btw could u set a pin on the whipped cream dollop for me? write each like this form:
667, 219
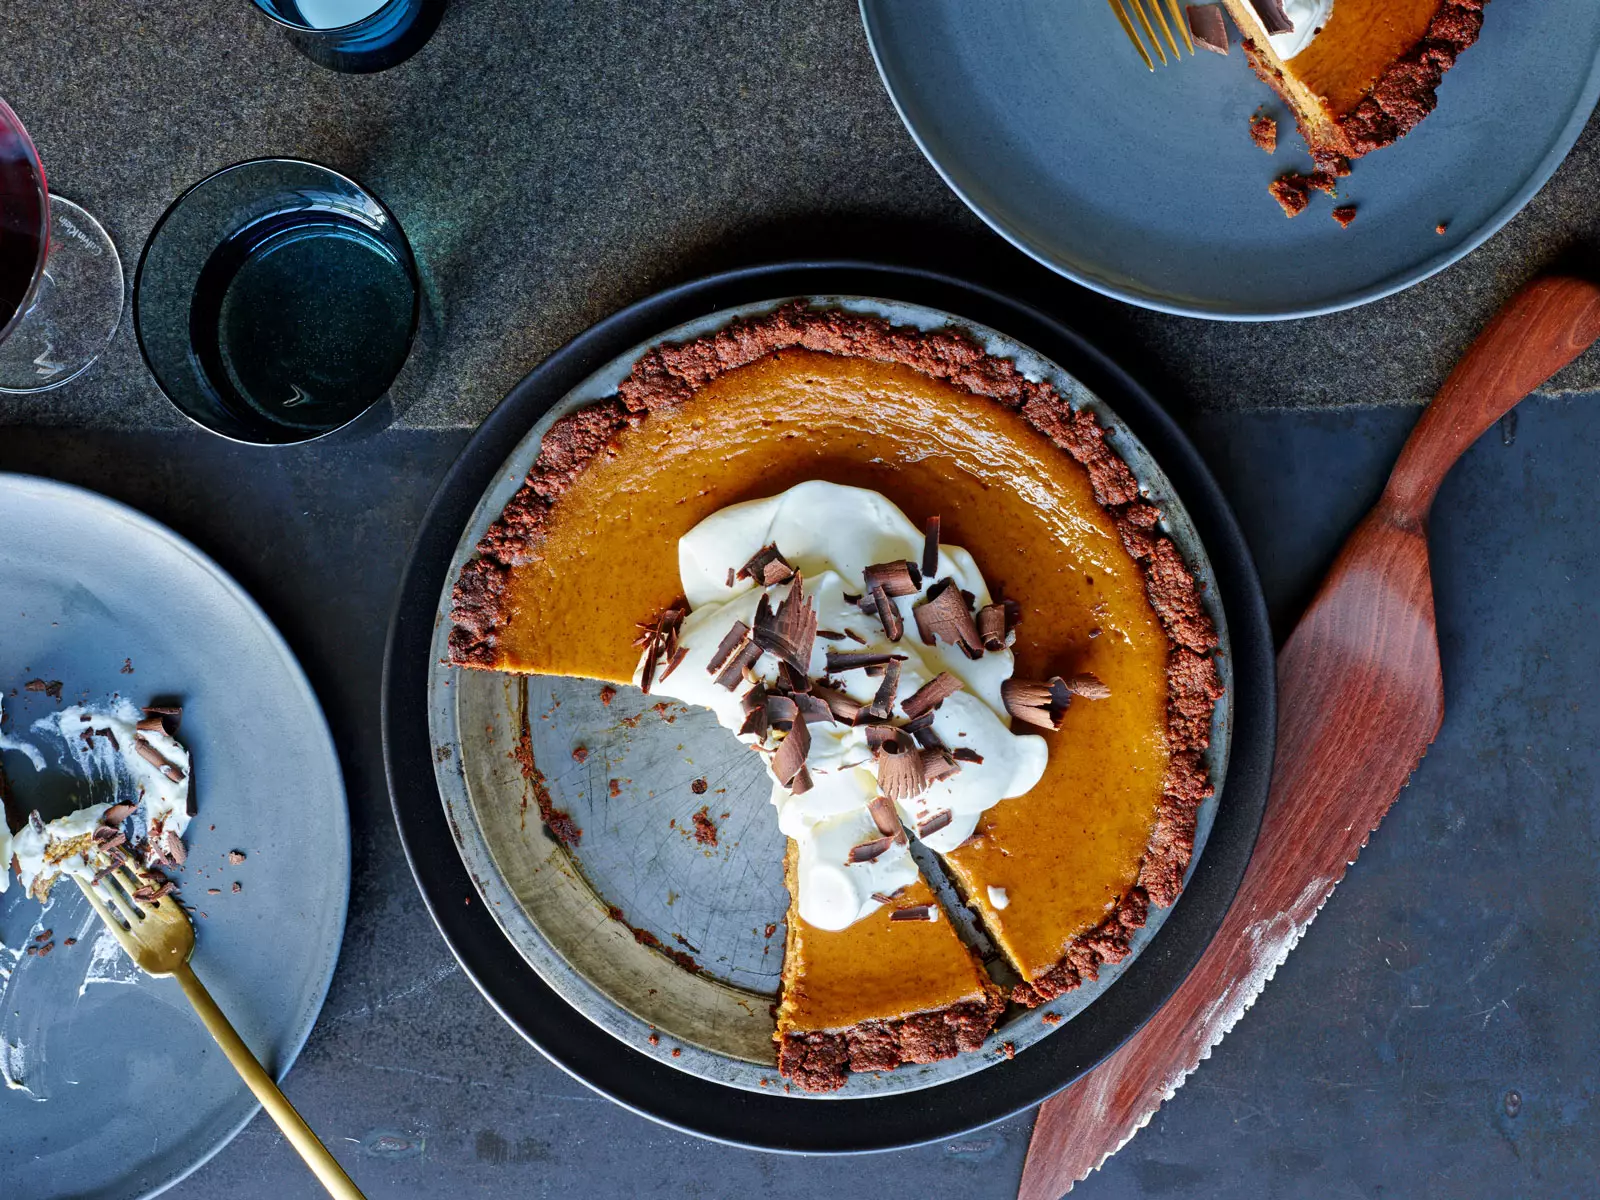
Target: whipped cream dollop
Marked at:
1308, 17
829, 535
124, 754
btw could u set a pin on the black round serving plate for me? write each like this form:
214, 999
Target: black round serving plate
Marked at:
795, 1123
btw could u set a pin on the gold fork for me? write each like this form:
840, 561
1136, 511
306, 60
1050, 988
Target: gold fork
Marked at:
1122, 7
157, 935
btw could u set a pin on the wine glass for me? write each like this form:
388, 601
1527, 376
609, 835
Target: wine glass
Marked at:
61, 285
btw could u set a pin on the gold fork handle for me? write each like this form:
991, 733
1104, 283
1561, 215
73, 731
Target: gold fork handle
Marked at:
306, 1144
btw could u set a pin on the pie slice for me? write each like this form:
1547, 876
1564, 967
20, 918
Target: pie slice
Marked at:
1358, 74
583, 567
849, 1002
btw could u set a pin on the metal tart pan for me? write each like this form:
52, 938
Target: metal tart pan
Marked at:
540, 935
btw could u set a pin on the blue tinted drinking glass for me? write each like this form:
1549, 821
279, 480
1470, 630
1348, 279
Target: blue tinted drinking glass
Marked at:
356, 35
276, 301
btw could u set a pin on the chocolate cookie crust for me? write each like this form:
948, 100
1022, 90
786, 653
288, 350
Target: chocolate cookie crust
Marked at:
1404, 95
663, 380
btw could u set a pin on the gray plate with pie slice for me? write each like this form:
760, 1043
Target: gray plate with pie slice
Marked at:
612, 923
115, 1090
1147, 187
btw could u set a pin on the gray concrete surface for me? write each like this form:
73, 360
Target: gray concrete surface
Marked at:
554, 160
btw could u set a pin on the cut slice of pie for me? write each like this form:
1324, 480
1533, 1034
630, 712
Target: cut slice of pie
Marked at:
898, 986
1358, 74
588, 552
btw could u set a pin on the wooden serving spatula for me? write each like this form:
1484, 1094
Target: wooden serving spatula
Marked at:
1360, 698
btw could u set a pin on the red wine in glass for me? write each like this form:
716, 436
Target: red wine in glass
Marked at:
24, 219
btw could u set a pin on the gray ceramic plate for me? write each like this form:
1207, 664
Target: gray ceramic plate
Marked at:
634, 796
1147, 187
129, 1093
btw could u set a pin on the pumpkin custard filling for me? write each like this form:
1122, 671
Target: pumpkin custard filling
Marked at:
931, 596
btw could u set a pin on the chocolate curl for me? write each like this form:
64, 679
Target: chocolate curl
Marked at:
1088, 686
915, 912
900, 775
886, 818
898, 578
1041, 703
888, 614
790, 759
930, 695
930, 547
992, 626
933, 822
867, 851
945, 617
766, 567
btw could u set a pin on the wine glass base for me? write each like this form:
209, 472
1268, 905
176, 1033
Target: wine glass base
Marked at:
77, 308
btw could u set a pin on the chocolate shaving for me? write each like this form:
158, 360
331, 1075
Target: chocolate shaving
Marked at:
882, 706
730, 642
945, 617
153, 756
766, 567
1037, 703
921, 728
843, 707
851, 660
914, 912
930, 695
888, 614
967, 754
676, 660
881, 898
992, 626
792, 681
900, 774
830, 635
886, 818
734, 671
660, 640
930, 547
855, 637
791, 631
755, 722
867, 851
938, 764
781, 713
895, 578
174, 848
813, 709
790, 759
877, 735
731, 578
1272, 16
1207, 27
1088, 686
934, 822
801, 783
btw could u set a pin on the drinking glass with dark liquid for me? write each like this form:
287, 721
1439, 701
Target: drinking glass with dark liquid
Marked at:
276, 301
60, 277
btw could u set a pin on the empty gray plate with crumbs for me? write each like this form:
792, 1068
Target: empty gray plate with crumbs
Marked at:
107, 602
666, 939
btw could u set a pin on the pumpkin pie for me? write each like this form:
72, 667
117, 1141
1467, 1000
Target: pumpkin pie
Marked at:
1043, 647
1358, 74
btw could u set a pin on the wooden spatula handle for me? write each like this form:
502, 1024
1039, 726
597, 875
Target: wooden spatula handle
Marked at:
306, 1143
1544, 327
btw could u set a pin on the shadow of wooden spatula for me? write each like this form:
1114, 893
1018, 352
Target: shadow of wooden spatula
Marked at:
1360, 698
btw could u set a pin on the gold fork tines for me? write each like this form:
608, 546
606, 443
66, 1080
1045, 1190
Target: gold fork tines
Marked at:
1138, 14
